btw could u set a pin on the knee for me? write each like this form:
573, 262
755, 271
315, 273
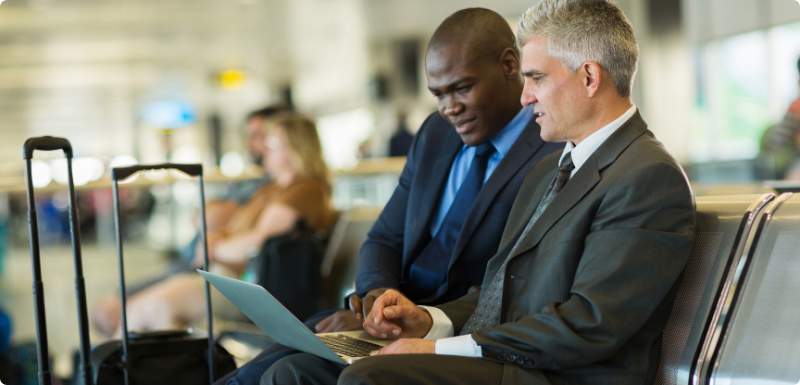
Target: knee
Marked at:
365, 371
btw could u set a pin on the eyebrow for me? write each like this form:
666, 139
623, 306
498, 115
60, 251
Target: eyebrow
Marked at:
530, 73
452, 85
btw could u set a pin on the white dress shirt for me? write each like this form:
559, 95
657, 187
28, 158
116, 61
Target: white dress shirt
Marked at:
442, 329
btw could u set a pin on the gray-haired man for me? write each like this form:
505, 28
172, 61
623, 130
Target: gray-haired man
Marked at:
582, 285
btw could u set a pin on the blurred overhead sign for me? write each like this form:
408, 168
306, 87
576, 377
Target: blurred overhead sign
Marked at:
231, 79
168, 114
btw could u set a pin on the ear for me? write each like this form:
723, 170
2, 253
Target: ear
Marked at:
591, 73
510, 62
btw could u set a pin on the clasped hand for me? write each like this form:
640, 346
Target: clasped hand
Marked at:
385, 313
394, 315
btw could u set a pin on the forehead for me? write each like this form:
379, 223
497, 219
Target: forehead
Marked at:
447, 64
536, 58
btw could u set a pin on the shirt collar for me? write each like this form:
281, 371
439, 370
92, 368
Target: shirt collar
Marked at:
582, 152
506, 138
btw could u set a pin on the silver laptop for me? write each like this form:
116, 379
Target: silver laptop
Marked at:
283, 327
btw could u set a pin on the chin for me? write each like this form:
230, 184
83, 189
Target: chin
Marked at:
470, 139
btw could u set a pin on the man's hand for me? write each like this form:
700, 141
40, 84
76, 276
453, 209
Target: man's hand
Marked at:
341, 321
394, 315
407, 346
361, 308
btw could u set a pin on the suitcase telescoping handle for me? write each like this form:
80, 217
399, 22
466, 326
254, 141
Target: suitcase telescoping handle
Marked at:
50, 143
121, 173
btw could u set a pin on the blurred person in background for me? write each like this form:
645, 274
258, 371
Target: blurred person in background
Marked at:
445, 218
299, 191
780, 145
238, 193
400, 142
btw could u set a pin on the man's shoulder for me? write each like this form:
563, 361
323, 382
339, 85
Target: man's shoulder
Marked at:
647, 150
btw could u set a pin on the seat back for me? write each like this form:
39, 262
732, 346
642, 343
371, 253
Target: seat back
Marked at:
723, 222
340, 263
760, 338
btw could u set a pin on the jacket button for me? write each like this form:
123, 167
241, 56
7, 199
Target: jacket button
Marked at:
512, 358
528, 362
520, 360
502, 356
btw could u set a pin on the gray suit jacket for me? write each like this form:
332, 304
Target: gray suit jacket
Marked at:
589, 290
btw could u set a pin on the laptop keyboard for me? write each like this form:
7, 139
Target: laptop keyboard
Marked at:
348, 346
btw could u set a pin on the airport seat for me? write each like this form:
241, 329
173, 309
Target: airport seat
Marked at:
340, 263
723, 223
759, 336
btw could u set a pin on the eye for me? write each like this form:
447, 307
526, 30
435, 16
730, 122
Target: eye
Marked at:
464, 89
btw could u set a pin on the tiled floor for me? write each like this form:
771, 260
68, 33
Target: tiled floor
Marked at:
101, 276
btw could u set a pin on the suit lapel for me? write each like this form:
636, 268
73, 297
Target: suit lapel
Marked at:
434, 183
575, 189
518, 155
582, 182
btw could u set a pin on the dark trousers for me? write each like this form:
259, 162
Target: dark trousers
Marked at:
304, 368
251, 372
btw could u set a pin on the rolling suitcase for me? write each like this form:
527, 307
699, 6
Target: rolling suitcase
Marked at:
49, 143
165, 357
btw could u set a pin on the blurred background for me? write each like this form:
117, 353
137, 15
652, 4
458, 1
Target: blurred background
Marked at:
144, 81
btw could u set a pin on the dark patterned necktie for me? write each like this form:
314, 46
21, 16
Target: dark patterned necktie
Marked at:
429, 270
487, 314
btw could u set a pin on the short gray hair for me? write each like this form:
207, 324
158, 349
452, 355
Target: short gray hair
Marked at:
578, 31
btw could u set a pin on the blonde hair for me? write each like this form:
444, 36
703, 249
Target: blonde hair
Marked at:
304, 144
585, 30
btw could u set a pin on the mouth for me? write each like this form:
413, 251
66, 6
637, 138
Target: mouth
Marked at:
537, 115
465, 126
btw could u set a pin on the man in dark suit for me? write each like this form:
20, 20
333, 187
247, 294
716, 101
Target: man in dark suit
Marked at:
584, 280
466, 164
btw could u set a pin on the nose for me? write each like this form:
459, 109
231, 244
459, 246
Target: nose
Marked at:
528, 97
450, 106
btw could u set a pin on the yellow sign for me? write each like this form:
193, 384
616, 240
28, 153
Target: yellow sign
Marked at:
231, 79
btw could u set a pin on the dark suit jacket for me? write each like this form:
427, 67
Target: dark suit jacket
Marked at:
589, 289
402, 230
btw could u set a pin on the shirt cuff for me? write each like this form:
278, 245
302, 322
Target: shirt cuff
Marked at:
442, 326
459, 346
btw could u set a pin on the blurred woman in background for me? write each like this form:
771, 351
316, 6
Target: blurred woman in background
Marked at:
299, 191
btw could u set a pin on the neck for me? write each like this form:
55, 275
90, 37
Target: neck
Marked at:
603, 116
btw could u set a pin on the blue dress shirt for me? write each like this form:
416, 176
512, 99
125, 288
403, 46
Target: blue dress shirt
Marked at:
502, 141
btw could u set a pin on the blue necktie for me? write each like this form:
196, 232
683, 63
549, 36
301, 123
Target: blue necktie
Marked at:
429, 270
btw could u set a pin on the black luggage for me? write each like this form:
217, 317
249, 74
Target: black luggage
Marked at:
49, 143
166, 357
288, 266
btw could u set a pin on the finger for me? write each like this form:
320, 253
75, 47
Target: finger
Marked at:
377, 310
388, 328
355, 306
373, 331
369, 300
321, 325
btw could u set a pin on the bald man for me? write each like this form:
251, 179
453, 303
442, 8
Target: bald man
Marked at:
445, 219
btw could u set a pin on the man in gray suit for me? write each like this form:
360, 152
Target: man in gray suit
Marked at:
584, 280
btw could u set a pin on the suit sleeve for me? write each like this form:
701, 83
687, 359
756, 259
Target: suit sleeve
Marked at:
381, 257
636, 248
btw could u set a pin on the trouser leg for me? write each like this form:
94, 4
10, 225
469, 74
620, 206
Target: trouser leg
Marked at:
422, 369
250, 373
303, 368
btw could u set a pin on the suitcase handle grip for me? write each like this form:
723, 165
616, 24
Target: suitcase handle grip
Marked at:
46, 143
122, 173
